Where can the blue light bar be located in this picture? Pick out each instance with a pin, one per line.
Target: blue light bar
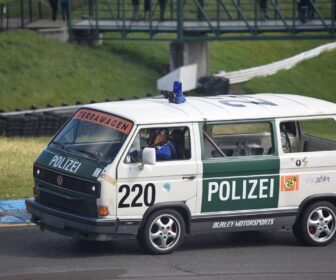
(176, 96)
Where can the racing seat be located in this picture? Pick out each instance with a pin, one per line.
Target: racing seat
(177, 137)
(288, 138)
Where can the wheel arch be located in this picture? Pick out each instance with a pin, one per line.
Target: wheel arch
(329, 197)
(180, 207)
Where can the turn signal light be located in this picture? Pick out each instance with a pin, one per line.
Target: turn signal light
(103, 211)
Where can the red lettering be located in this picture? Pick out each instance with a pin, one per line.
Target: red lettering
(103, 119)
(113, 124)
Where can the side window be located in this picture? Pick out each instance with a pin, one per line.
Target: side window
(170, 143)
(238, 139)
(323, 128)
(309, 135)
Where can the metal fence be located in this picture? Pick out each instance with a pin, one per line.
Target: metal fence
(212, 17)
(200, 10)
(16, 14)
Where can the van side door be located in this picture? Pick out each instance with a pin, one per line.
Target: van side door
(240, 167)
(168, 181)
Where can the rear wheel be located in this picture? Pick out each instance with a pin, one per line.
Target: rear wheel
(317, 225)
(163, 232)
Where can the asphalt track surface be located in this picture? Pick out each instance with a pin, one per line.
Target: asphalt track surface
(28, 253)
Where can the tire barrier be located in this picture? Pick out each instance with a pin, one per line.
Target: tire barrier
(213, 85)
(40, 122)
(30, 123)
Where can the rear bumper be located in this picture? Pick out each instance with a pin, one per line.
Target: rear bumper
(64, 223)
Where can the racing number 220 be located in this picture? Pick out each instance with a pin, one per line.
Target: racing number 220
(147, 192)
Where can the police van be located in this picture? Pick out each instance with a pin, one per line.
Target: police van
(241, 163)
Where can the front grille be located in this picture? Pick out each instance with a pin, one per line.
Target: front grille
(74, 206)
(67, 182)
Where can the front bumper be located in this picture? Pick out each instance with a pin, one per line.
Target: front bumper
(99, 229)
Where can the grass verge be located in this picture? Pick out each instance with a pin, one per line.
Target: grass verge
(47, 71)
(16, 164)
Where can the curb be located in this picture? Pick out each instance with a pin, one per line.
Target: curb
(13, 213)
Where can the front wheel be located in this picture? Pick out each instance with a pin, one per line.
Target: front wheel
(317, 225)
(163, 232)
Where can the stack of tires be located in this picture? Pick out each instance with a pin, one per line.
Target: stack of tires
(32, 124)
(29, 125)
(2, 126)
(13, 125)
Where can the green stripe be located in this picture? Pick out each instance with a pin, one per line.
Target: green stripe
(240, 166)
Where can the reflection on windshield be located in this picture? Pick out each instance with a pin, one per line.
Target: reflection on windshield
(93, 134)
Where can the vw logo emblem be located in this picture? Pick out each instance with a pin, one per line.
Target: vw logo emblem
(59, 180)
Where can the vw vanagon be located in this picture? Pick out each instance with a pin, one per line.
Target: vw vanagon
(247, 162)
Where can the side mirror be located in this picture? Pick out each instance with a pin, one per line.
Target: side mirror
(148, 157)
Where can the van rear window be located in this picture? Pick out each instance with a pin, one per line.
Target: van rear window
(309, 135)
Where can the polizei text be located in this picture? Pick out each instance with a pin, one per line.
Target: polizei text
(66, 164)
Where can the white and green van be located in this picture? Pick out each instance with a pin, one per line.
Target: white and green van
(246, 162)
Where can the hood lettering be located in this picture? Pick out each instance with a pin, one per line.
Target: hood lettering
(66, 164)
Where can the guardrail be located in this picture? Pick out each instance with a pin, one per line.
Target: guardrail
(240, 76)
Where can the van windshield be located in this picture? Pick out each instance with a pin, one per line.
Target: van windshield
(93, 134)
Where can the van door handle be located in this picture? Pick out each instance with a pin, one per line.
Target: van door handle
(192, 177)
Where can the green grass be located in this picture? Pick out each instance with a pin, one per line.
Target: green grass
(16, 165)
(47, 71)
(237, 55)
(314, 78)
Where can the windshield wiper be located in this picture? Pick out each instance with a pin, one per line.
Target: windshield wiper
(91, 155)
(62, 146)
(97, 156)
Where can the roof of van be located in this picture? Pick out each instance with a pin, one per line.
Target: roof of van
(223, 107)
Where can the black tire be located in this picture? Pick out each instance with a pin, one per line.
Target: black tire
(162, 233)
(317, 224)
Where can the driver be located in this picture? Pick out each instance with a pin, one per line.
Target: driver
(164, 147)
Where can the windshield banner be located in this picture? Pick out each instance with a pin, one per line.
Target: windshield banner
(99, 118)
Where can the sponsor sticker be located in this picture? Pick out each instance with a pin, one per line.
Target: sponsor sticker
(102, 119)
(243, 223)
(247, 102)
(96, 172)
(322, 179)
(290, 183)
(166, 187)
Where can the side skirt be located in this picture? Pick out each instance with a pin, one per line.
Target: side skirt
(283, 220)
